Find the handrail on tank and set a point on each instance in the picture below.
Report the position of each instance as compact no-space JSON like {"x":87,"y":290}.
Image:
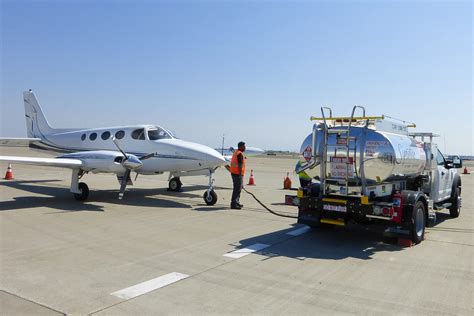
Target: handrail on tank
{"x":324,"y":116}
{"x":356,"y":118}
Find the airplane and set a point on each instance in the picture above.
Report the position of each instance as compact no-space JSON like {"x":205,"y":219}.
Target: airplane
{"x":249,"y":151}
{"x":228,"y":151}
{"x":143,"y":149}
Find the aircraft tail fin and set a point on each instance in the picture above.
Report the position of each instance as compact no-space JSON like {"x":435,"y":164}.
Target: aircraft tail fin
{"x":36,"y":123}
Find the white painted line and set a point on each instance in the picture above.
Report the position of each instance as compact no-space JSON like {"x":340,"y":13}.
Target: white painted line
{"x":148,"y":286}
{"x":299,"y":231}
{"x":239,"y":253}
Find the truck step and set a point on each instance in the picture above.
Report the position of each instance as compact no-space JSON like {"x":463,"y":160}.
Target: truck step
{"x":441,"y":206}
{"x":332,"y":221}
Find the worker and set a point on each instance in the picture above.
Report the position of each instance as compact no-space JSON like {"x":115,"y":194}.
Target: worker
{"x":237,"y":170}
{"x":305,"y":179}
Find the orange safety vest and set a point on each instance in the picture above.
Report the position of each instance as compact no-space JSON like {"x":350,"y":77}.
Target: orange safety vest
{"x":234,"y":163}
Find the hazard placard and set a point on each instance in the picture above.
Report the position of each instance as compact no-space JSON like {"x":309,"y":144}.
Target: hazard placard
{"x":307,"y":153}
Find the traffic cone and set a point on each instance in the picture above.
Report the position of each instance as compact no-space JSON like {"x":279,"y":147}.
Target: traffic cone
{"x":251,"y":180}
{"x":9,"y":174}
{"x":287,"y":182}
{"x":465,"y":171}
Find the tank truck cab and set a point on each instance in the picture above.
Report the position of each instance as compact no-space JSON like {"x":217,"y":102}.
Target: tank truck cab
{"x":371,"y":170}
{"x":444,"y":187}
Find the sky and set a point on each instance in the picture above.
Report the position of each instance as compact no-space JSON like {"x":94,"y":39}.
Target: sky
{"x":250,"y":70}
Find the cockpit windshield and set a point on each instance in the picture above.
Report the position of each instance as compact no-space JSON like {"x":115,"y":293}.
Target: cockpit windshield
{"x":155,"y":133}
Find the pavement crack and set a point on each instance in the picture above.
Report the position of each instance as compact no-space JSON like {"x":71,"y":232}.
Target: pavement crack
{"x":34,"y":302}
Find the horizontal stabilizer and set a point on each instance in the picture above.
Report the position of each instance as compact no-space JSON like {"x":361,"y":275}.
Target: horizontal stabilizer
{"x":16,"y":142}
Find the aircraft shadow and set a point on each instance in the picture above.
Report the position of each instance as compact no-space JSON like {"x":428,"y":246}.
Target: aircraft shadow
{"x":57,"y":198}
{"x":61,"y":198}
{"x":320,"y":243}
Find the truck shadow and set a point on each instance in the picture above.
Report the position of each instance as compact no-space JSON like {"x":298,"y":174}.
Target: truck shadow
{"x":318,"y":243}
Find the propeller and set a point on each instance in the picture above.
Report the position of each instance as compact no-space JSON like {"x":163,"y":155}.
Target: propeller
{"x":130,"y":162}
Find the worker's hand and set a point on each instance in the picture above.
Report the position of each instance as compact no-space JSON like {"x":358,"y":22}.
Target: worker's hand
{"x":227,"y":167}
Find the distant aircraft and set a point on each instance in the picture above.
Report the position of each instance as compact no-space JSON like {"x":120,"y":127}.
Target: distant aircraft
{"x":249,"y":151}
{"x":228,"y":151}
{"x":143,"y":149}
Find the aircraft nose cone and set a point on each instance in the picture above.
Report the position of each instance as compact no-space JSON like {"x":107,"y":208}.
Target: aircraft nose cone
{"x":207,"y":157}
{"x":215,"y":159}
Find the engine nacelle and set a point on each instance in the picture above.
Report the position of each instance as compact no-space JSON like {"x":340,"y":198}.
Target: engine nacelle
{"x":105,"y":161}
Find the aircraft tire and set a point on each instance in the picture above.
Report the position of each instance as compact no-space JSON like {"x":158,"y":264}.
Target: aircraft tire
{"x":174,"y":185}
{"x":210,"y":198}
{"x":84,"y":192}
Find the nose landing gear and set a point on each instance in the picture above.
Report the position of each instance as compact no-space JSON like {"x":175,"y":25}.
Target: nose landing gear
{"x":210,"y":196}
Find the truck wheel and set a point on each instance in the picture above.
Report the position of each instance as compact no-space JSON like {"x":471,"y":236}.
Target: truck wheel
{"x":455,"y":208}
{"x":418,"y":222}
{"x":84,"y":192}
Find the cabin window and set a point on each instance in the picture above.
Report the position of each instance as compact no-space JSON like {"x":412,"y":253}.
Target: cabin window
{"x":93,"y":136}
{"x":83,"y":137}
{"x":119,"y":134}
{"x":105,"y":135}
{"x":157,"y":133}
{"x":439,"y":158}
{"x":138,"y":133}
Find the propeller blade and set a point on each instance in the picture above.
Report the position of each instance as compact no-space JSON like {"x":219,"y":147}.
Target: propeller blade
{"x":118,"y":146}
{"x":148,"y":156}
{"x":123,"y":184}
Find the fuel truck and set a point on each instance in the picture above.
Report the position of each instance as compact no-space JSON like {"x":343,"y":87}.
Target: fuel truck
{"x":371,"y":169}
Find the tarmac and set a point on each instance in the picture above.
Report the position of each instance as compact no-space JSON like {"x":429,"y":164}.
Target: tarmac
{"x":160,"y":252}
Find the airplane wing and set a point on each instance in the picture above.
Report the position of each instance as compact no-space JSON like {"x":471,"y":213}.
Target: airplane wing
{"x":50,"y":162}
{"x":4,"y":141}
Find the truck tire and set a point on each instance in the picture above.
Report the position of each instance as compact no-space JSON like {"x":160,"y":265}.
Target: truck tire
{"x":455,"y":208}
{"x":418,"y":222}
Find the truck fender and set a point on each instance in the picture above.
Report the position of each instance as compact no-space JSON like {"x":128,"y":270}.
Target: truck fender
{"x":456,"y":184}
{"x":409,"y":200}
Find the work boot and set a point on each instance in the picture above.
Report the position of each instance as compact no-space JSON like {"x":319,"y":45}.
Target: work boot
{"x":240,"y":205}
{"x":235,"y":206}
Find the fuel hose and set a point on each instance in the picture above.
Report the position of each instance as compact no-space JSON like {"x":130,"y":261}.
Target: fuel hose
{"x":267,"y":208}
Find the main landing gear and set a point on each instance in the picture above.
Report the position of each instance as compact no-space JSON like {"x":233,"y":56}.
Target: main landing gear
{"x":175,"y":184}
{"x":80,"y":190}
{"x":84,"y":192}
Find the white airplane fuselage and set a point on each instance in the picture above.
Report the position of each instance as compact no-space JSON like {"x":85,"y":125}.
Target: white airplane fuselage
{"x":171,"y":154}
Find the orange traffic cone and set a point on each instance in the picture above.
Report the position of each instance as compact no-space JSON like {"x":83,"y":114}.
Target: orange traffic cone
{"x":9,"y":174}
{"x":251,"y":180}
{"x":465,"y":171}
{"x":287,"y":182}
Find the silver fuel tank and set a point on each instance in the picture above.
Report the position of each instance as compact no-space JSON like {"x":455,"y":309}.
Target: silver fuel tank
{"x":385,"y":155}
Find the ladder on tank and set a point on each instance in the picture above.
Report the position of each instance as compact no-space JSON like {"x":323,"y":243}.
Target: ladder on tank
{"x":343,"y":141}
